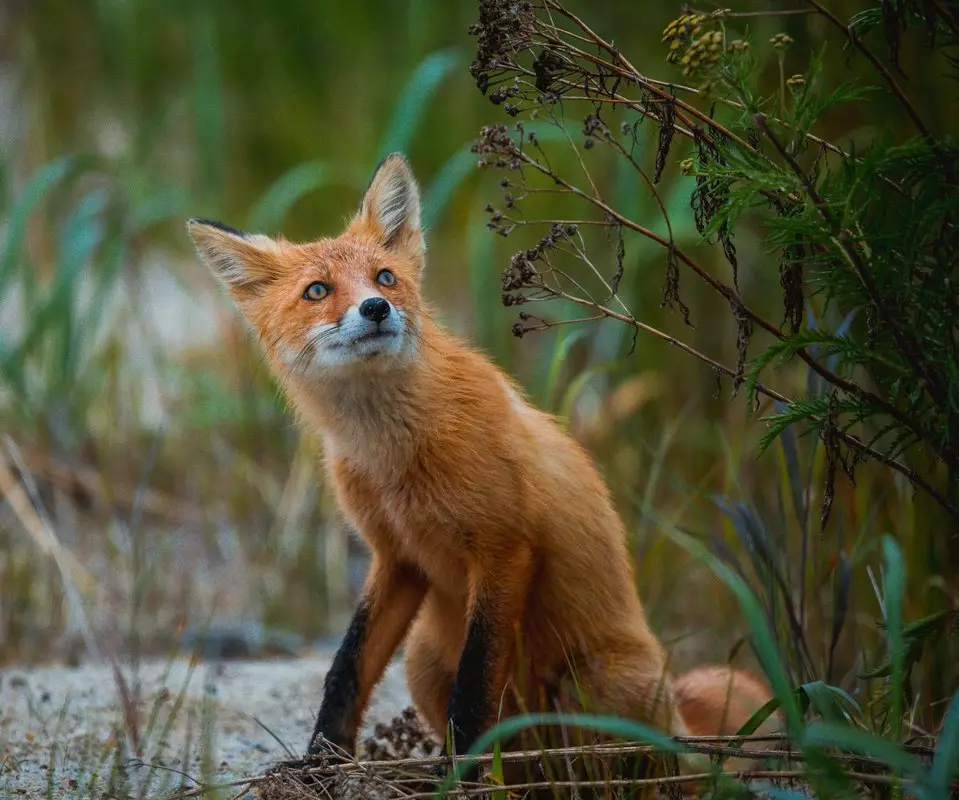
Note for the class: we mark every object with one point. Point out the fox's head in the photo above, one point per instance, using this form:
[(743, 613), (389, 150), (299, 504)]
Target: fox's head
[(346, 303)]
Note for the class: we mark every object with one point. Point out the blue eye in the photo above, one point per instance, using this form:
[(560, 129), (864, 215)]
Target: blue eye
[(385, 278), (316, 291)]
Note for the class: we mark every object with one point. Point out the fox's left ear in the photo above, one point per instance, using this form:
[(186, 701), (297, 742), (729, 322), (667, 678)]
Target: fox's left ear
[(391, 207), (243, 262)]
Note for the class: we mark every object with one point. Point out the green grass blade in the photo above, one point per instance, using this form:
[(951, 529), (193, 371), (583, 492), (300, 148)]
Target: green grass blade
[(207, 93), (765, 647), (828, 701), (892, 602), (578, 384), (945, 765), (759, 717), (271, 209), (613, 726), (36, 189), (496, 771), (412, 101), (437, 195), (564, 343), (830, 734)]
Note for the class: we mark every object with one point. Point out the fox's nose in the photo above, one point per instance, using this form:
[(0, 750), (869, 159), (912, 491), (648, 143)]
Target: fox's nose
[(375, 309)]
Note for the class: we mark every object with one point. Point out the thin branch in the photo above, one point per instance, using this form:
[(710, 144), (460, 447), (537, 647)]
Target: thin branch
[(893, 85), (847, 438), (729, 293)]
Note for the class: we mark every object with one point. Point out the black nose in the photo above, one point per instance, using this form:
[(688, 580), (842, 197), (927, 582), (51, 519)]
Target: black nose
[(375, 309)]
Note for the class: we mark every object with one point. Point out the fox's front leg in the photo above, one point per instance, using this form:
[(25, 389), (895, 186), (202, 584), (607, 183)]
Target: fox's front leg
[(391, 597), (498, 591)]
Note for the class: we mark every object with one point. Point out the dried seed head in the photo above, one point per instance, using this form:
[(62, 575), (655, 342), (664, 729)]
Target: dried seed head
[(703, 52), (796, 81), (685, 27), (739, 46), (781, 41)]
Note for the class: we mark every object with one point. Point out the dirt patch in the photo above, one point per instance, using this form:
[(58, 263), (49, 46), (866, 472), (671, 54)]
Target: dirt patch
[(64, 733)]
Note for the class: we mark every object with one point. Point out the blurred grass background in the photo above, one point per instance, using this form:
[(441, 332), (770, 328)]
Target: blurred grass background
[(153, 477)]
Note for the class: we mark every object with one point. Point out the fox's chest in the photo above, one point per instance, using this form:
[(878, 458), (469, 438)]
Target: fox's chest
[(419, 522)]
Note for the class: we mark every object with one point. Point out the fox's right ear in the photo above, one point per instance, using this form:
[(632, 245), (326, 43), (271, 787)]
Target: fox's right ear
[(391, 206), (243, 262)]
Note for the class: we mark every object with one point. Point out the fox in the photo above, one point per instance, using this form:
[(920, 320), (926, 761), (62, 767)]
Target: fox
[(498, 561)]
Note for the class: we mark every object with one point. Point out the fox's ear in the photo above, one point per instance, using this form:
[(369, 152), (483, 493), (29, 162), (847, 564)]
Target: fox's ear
[(391, 206), (243, 262)]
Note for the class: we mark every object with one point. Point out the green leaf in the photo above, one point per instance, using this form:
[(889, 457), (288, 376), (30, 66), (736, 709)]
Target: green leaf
[(564, 343), (437, 196), (945, 764), (830, 734), (411, 104), (892, 606), (762, 640), (829, 701), (764, 712), (275, 203), (496, 771), (36, 189), (612, 726)]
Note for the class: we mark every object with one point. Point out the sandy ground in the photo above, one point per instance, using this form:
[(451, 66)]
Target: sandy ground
[(60, 726)]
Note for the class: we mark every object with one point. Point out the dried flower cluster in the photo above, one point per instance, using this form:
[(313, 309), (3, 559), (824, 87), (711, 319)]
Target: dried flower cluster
[(404, 736)]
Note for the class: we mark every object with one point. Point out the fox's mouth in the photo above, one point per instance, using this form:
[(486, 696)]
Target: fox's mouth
[(373, 336)]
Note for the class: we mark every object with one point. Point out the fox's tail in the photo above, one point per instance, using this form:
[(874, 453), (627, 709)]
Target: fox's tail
[(719, 701)]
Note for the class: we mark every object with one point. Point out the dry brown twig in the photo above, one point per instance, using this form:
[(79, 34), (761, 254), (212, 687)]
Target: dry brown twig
[(401, 776)]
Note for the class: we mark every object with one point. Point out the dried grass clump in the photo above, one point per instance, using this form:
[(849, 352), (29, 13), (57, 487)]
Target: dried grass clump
[(778, 765)]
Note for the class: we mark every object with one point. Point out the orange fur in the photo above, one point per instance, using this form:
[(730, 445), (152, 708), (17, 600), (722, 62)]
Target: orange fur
[(465, 493)]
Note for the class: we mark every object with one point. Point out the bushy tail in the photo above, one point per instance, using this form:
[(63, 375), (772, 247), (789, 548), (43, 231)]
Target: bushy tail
[(718, 701)]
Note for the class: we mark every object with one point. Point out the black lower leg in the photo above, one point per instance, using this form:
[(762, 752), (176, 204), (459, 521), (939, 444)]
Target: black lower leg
[(469, 701), (337, 720)]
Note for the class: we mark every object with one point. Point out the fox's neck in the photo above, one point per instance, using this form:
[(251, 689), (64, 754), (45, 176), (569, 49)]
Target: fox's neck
[(371, 417)]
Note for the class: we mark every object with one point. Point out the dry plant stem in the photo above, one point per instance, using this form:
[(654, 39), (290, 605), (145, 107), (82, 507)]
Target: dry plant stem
[(951, 20), (909, 349), (75, 575), (879, 66), (853, 442), (653, 85), (730, 294), (629, 71), (893, 85), (862, 777), (719, 286), (710, 745), (785, 12), (74, 477)]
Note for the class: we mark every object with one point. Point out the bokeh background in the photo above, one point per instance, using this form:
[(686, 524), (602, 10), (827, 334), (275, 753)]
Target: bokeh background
[(154, 479)]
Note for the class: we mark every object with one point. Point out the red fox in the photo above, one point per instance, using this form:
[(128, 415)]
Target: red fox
[(497, 555)]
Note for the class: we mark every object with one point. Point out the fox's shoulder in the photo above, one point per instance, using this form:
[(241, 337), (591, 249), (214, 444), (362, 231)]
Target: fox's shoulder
[(468, 370)]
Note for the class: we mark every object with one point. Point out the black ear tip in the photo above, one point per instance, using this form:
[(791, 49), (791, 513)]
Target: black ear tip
[(394, 159), (212, 223)]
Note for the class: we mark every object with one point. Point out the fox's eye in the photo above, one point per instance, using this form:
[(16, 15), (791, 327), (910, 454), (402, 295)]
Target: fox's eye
[(385, 278), (316, 291)]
